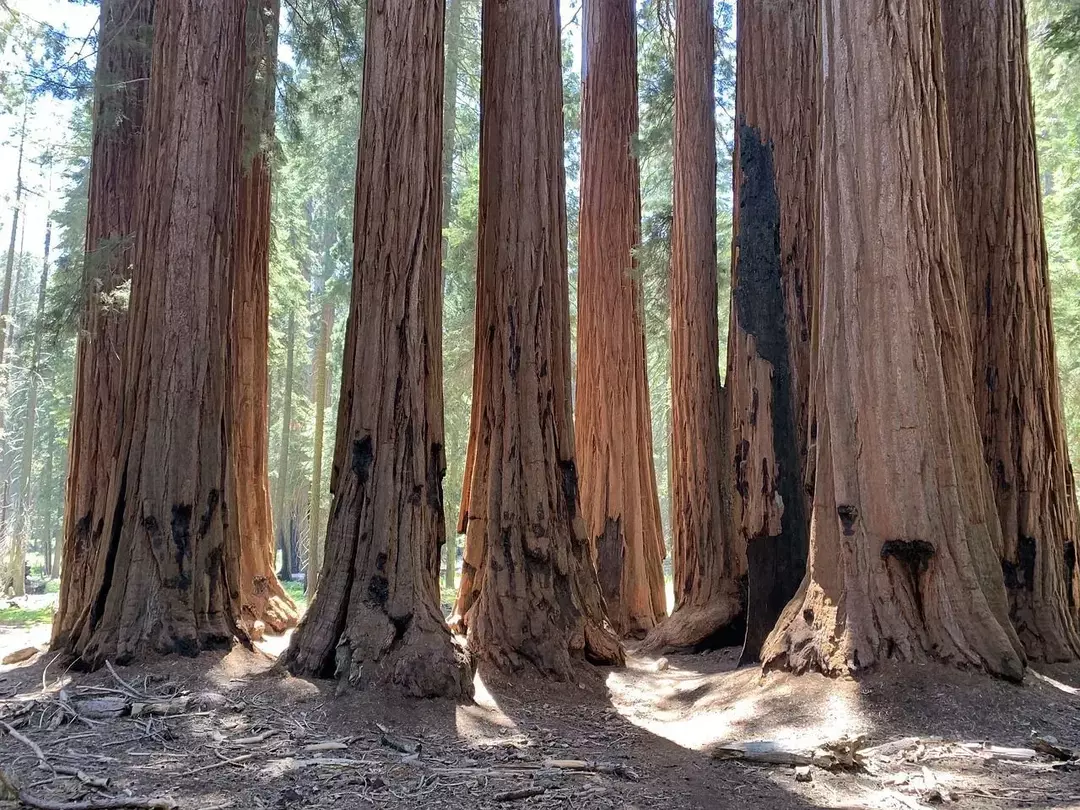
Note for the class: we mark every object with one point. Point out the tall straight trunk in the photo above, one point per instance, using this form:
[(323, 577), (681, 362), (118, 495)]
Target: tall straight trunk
[(26, 461), (449, 153), (262, 599), (120, 89), (16, 213), (529, 592), (48, 476), (281, 519), (708, 564), (619, 499), (775, 267), (903, 534), (166, 578), (376, 617), (315, 540), (1017, 391)]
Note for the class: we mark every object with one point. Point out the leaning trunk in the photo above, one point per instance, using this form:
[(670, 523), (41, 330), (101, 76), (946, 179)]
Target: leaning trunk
[(619, 500), (262, 599), (376, 618), (902, 556), (708, 565), (1003, 247), (121, 86), (166, 577), (775, 256), (529, 590)]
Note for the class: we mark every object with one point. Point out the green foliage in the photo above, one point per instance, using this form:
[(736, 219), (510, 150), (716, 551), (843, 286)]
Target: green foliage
[(23, 616)]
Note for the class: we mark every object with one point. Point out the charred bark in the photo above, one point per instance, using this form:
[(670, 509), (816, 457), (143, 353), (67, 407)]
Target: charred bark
[(1003, 246), (376, 617), (902, 556), (121, 85), (709, 566), (166, 575), (529, 593), (263, 601), (775, 264)]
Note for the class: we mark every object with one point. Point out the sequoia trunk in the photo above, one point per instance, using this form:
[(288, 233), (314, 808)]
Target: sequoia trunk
[(315, 539), (166, 577), (1017, 391), (775, 258), (708, 565), (262, 599), (121, 84), (376, 617), (619, 500), (529, 590), (903, 530)]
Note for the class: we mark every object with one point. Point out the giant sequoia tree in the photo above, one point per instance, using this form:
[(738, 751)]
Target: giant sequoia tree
[(1017, 392), (262, 599), (619, 500), (166, 576), (529, 593), (707, 565), (902, 556), (376, 616), (120, 87), (775, 252)]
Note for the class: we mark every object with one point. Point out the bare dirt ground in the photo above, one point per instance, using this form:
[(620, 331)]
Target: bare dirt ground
[(241, 734)]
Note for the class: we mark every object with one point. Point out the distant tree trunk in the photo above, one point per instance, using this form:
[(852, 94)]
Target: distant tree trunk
[(376, 617), (26, 462), (619, 500), (1017, 391), (902, 556), (5, 304), (775, 264), (167, 576), (535, 599), (121, 85), (708, 564), (315, 541), (262, 599), (48, 477), (453, 57), (280, 514)]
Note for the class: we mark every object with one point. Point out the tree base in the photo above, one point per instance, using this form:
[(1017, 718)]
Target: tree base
[(695, 629), (273, 607)]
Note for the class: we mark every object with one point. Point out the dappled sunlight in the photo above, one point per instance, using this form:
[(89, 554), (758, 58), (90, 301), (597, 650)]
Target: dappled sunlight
[(483, 722)]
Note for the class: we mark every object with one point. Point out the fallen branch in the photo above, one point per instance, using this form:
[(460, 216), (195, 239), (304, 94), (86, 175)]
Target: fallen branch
[(33, 746), (138, 802), (523, 793)]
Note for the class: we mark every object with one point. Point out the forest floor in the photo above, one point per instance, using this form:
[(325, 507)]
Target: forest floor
[(231, 731)]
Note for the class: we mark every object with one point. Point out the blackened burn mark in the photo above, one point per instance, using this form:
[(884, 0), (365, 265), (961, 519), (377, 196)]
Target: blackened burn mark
[(379, 590), (914, 558), (742, 453), (181, 537), (362, 456), (776, 568), (569, 485), (436, 471), (514, 347), (212, 501), (609, 560), (1020, 575), (1070, 571), (848, 514)]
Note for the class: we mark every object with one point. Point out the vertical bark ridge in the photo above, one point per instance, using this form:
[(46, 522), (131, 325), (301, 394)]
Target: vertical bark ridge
[(902, 562), (1003, 246), (775, 265), (619, 499)]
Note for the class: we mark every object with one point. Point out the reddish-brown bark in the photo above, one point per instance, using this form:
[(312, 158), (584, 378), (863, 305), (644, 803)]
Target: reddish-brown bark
[(529, 592), (166, 577), (1017, 392), (376, 616), (123, 66), (619, 500), (775, 263), (263, 602), (903, 529), (708, 566)]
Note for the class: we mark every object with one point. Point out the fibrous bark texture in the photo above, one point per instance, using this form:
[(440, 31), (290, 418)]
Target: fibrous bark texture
[(619, 500), (708, 566), (529, 592), (775, 258), (1017, 392), (166, 577), (376, 617), (123, 67), (262, 599), (902, 556)]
